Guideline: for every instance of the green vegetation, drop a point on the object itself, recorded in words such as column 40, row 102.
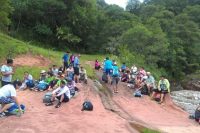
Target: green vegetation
column 161, row 35
column 10, row 48
column 149, row 131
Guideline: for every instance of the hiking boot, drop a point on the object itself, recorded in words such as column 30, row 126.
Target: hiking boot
column 58, row 105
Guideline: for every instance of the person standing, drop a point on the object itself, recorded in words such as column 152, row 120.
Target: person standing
column 7, row 72
column 65, row 60
column 115, row 77
column 76, row 68
column 108, row 68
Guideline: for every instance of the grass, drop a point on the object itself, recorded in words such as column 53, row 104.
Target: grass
column 146, row 130
column 10, row 48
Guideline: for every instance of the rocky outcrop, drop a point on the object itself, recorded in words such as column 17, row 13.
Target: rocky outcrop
column 191, row 82
column 186, row 99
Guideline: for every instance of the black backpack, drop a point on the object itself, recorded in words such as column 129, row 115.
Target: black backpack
column 197, row 113
column 87, row 105
column 145, row 90
column 105, row 78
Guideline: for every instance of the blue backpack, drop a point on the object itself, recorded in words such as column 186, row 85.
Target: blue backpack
column 115, row 71
column 13, row 110
column 42, row 86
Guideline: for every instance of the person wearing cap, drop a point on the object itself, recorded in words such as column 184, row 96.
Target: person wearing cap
column 7, row 72
column 115, row 77
column 8, row 97
column 65, row 60
column 43, row 75
column 62, row 93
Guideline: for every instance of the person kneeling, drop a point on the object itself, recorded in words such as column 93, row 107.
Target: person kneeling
column 62, row 93
column 8, row 97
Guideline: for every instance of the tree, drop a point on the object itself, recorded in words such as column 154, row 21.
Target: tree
column 5, row 11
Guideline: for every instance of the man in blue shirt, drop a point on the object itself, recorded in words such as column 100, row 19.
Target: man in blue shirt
column 108, row 68
column 123, row 67
column 7, row 72
column 65, row 60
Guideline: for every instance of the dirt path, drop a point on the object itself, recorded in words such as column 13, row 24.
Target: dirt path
column 68, row 118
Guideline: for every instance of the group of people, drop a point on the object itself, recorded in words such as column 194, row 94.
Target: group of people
column 138, row 79
column 60, row 81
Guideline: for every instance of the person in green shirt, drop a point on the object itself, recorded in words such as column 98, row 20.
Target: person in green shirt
column 163, row 88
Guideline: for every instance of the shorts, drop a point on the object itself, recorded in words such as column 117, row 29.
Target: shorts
column 160, row 91
column 6, row 100
column 66, row 98
column 108, row 71
column 76, row 71
column 115, row 80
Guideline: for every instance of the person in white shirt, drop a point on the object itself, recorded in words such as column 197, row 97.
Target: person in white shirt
column 7, row 72
column 8, row 97
column 28, row 79
column 62, row 93
column 55, row 70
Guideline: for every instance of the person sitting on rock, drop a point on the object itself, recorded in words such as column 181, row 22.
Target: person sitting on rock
column 62, row 93
column 27, row 81
column 83, row 75
column 97, row 65
column 149, row 83
column 54, row 70
column 163, row 89
column 70, row 73
column 72, row 87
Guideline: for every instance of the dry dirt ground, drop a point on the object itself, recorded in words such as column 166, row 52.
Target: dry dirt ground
column 111, row 114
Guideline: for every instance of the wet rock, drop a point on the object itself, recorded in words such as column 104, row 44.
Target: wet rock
column 186, row 99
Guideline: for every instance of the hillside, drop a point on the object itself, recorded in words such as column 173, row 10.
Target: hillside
column 120, row 113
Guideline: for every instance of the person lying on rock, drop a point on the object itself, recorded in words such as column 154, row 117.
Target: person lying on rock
column 163, row 89
column 8, row 97
column 62, row 93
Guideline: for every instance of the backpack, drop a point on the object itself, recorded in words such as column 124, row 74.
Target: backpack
column 144, row 90
column 47, row 97
column 104, row 78
column 197, row 113
column 42, row 86
column 87, row 105
column 13, row 110
column 115, row 71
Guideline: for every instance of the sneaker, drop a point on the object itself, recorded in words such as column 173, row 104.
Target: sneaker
column 2, row 115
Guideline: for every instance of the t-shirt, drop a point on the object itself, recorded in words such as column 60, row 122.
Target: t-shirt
column 59, row 82
column 8, row 91
column 30, row 77
column 76, row 62
column 65, row 57
column 123, row 67
column 62, row 90
column 108, row 64
column 6, row 69
column 55, row 71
